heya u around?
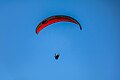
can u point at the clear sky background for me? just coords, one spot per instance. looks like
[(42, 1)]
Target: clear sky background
[(90, 54)]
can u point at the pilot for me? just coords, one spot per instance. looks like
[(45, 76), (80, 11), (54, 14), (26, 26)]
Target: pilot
[(56, 56)]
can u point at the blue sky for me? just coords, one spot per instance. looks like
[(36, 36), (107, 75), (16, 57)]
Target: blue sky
[(90, 54)]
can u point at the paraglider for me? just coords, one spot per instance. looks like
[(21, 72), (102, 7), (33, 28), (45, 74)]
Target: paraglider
[(56, 56), (54, 19)]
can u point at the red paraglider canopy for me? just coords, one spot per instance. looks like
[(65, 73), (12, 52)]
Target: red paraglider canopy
[(54, 19)]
